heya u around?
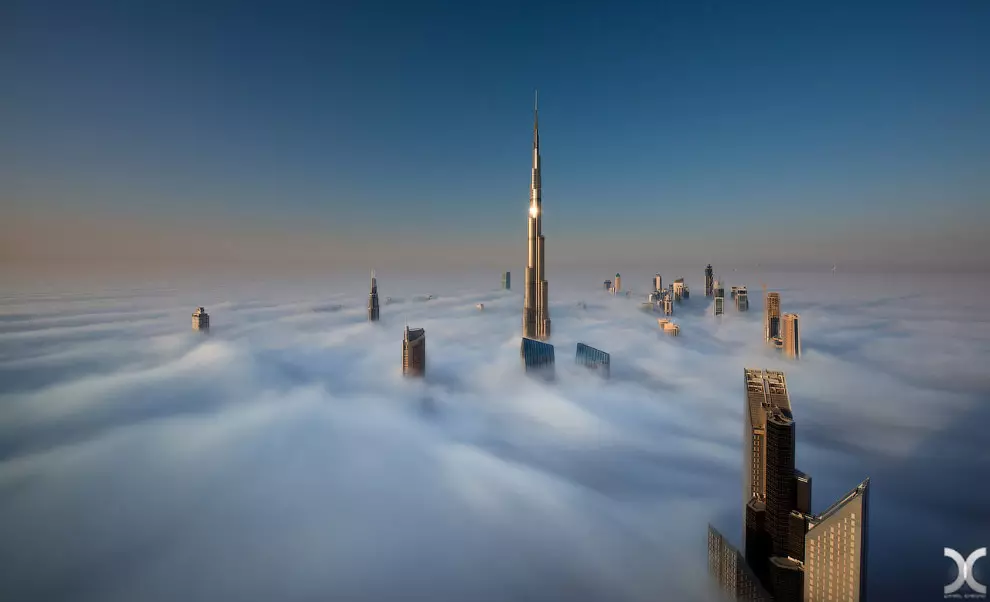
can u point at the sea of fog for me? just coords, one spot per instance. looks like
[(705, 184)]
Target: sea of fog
[(284, 457)]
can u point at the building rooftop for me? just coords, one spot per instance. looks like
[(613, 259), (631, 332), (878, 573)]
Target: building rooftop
[(856, 492)]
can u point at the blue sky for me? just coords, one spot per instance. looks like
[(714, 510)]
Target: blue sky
[(685, 121)]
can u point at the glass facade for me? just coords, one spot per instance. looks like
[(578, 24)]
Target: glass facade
[(593, 358), (536, 355)]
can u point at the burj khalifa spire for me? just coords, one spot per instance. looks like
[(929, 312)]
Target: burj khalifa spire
[(536, 312)]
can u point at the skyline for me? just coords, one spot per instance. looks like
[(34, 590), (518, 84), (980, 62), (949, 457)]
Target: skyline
[(325, 136)]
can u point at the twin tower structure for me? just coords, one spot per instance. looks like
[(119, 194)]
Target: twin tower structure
[(536, 311)]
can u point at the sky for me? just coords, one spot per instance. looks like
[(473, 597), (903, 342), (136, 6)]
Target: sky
[(342, 135), (284, 457)]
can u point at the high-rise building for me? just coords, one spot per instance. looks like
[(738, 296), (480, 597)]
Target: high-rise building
[(732, 292), (537, 356), (657, 283), (709, 280), (373, 299), (595, 359), (617, 284), (201, 320), (780, 486), (536, 304), (677, 288), (414, 352), (506, 280), (719, 292), (791, 336), (668, 327), (836, 549), (608, 285), (668, 306), (771, 316), (765, 390), (742, 299), (734, 579)]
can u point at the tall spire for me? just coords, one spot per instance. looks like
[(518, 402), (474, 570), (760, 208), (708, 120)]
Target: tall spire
[(536, 120)]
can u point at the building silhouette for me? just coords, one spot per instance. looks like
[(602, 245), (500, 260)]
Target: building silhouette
[(791, 336), (592, 358), (414, 352), (836, 547), (742, 299), (709, 280), (201, 320), (734, 578), (537, 357), (657, 283), (617, 284), (719, 292), (373, 299), (668, 305), (608, 285), (506, 281), (771, 316), (536, 303), (678, 288)]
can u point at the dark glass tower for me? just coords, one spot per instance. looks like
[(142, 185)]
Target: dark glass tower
[(373, 299), (538, 357), (709, 280), (595, 359), (781, 495)]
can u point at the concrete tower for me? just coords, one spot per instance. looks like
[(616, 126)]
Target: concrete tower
[(536, 309), (373, 299), (792, 335)]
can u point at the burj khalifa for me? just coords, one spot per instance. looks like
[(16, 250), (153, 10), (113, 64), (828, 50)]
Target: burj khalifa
[(536, 313)]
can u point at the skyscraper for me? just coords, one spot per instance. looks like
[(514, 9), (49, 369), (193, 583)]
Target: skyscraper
[(593, 358), (657, 283), (765, 390), (506, 280), (742, 299), (732, 576), (719, 292), (771, 316), (373, 299), (792, 336), (836, 549), (201, 320), (414, 352), (709, 280), (536, 309), (537, 356), (617, 284), (608, 285)]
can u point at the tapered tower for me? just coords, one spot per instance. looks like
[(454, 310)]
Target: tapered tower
[(373, 299), (536, 311)]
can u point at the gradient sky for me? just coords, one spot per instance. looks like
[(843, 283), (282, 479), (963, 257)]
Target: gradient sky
[(384, 132)]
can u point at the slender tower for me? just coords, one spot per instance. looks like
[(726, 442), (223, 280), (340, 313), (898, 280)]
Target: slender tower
[(536, 313), (373, 299)]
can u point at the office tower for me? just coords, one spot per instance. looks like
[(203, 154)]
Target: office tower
[(536, 305), (742, 299), (668, 327), (756, 541), (617, 284), (373, 299), (709, 280), (766, 390), (595, 359), (771, 316), (791, 336), (201, 320), (506, 280), (537, 356), (608, 285), (836, 549), (677, 288), (668, 306), (732, 292), (657, 283), (414, 352), (719, 292), (780, 486), (734, 579)]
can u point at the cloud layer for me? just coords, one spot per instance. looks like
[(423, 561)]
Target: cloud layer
[(285, 457)]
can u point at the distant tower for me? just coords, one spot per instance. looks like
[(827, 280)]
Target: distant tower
[(595, 359), (608, 285), (742, 299), (506, 280), (414, 352), (709, 280), (719, 293), (792, 336), (657, 283), (373, 299), (617, 285), (536, 301), (201, 320), (771, 316), (668, 305)]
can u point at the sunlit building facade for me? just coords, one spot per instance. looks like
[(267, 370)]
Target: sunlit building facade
[(771, 316), (414, 352), (201, 320), (734, 579), (836, 550), (791, 335)]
